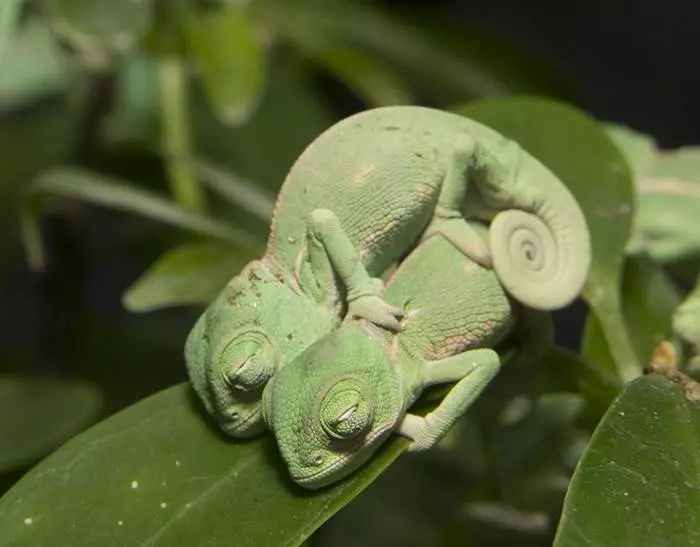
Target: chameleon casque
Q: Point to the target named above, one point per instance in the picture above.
(358, 199)
(333, 406)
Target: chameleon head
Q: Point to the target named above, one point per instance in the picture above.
(240, 341)
(333, 405)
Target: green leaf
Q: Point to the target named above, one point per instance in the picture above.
(290, 116)
(638, 149)
(447, 63)
(191, 274)
(377, 83)
(234, 189)
(649, 300)
(39, 413)
(93, 25)
(115, 194)
(669, 204)
(32, 66)
(638, 482)
(10, 15)
(232, 61)
(157, 474)
(577, 150)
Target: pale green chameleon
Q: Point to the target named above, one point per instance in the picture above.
(334, 405)
(356, 201)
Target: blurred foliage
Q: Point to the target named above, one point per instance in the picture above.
(142, 145)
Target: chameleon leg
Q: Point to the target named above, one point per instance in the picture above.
(448, 218)
(474, 369)
(326, 236)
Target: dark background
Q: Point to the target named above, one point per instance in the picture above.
(633, 63)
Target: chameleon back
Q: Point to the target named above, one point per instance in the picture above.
(452, 304)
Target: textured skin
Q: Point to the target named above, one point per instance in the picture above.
(391, 368)
(389, 176)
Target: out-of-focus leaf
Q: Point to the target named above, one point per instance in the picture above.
(105, 24)
(191, 274)
(649, 299)
(638, 482)
(372, 79)
(115, 194)
(638, 149)
(566, 370)
(288, 119)
(10, 11)
(158, 474)
(361, 25)
(236, 190)
(224, 44)
(445, 62)
(669, 206)
(39, 413)
(32, 67)
(522, 442)
(578, 151)
(376, 82)
(136, 108)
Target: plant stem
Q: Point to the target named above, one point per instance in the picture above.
(184, 186)
(609, 314)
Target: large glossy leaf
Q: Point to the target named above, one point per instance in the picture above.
(191, 274)
(649, 300)
(115, 194)
(578, 151)
(638, 482)
(39, 413)
(231, 59)
(157, 474)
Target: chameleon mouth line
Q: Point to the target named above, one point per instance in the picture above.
(306, 479)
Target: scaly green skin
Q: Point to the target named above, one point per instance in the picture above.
(358, 199)
(333, 405)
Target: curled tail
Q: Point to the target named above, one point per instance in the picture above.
(539, 241)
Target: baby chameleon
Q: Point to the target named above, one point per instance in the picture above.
(358, 199)
(333, 405)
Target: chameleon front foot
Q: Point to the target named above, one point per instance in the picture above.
(376, 310)
(475, 369)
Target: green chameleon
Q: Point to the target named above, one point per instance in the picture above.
(356, 201)
(333, 406)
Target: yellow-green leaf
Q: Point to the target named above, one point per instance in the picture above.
(231, 59)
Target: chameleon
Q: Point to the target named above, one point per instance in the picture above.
(357, 200)
(334, 404)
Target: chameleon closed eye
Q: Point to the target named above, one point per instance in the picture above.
(347, 410)
(248, 362)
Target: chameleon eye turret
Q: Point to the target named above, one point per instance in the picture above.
(347, 410)
(248, 361)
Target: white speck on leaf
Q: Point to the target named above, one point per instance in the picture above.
(177, 463)
(28, 520)
(163, 505)
(120, 523)
(134, 485)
